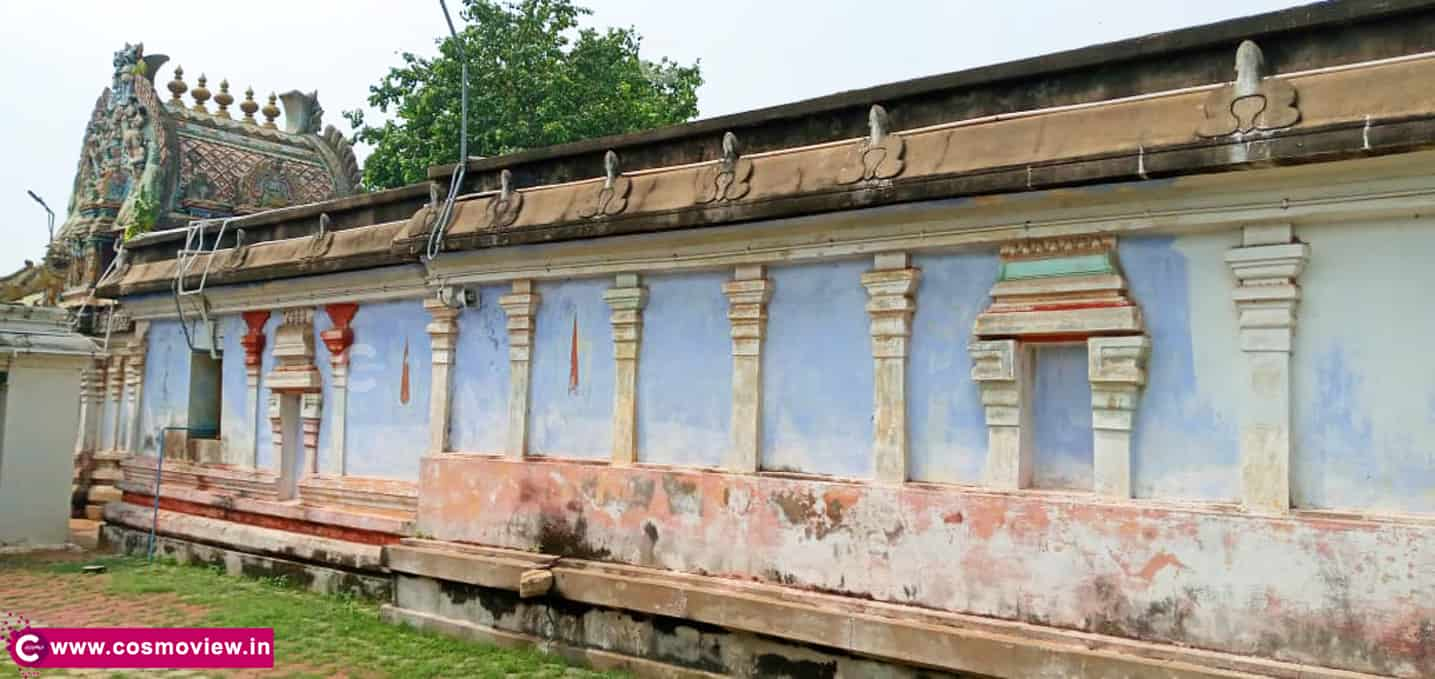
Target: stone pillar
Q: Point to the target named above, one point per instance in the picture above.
(443, 333)
(134, 377)
(117, 394)
(338, 339)
(1002, 369)
(1266, 268)
(627, 299)
(890, 288)
(520, 305)
(1116, 367)
(253, 343)
(747, 293)
(311, 406)
(92, 399)
(276, 429)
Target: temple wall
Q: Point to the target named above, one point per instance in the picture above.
(265, 458)
(1363, 372)
(389, 377)
(948, 431)
(1192, 553)
(166, 379)
(684, 383)
(572, 380)
(1185, 441)
(817, 372)
(1220, 579)
(478, 419)
(238, 421)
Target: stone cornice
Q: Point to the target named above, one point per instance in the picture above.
(1124, 140)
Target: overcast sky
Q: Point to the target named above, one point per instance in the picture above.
(754, 53)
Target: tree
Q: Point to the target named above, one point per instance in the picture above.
(535, 79)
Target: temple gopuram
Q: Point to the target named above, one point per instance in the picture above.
(151, 164)
(1109, 363)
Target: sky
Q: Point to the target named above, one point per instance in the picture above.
(754, 53)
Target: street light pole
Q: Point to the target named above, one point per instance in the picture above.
(48, 211)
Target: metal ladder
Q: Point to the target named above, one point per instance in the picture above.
(186, 262)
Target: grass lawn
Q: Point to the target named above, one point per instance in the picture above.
(315, 635)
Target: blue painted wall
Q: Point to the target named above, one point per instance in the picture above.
(1362, 374)
(685, 371)
(385, 437)
(1062, 443)
(1185, 442)
(947, 432)
(478, 416)
(574, 422)
(237, 421)
(267, 457)
(817, 372)
(166, 390)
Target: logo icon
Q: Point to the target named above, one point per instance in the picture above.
(25, 645)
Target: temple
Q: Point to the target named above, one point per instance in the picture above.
(1108, 363)
(149, 164)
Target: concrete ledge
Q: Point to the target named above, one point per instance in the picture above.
(237, 481)
(893, 632)
(392, 524)
(250, 539)
(588, 657)
(498, 568)
(371, 494)
(126, 540)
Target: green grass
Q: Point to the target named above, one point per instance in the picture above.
(329, 634)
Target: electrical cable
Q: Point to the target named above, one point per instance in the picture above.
(445, 213)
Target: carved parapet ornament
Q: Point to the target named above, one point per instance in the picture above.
(1252, 103)
(1266, 268)
(504, 207)
(879, 156)
(1060, 290)
(610, 197)
(730, 178)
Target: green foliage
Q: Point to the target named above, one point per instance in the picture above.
(536, 78)
(145, 214)
(314, 635)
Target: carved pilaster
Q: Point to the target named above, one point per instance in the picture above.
(1001, 369)
(116, 375)
(294, 353)
(253, 343)
(748, 294)
(92, 381)
(275, 411)
(337, 340)
(310, 411)
(1266, 295)
(1116, 367)
(520, 305)
(443, 334)
(627, 299)
(134, 378)
(890, 289)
